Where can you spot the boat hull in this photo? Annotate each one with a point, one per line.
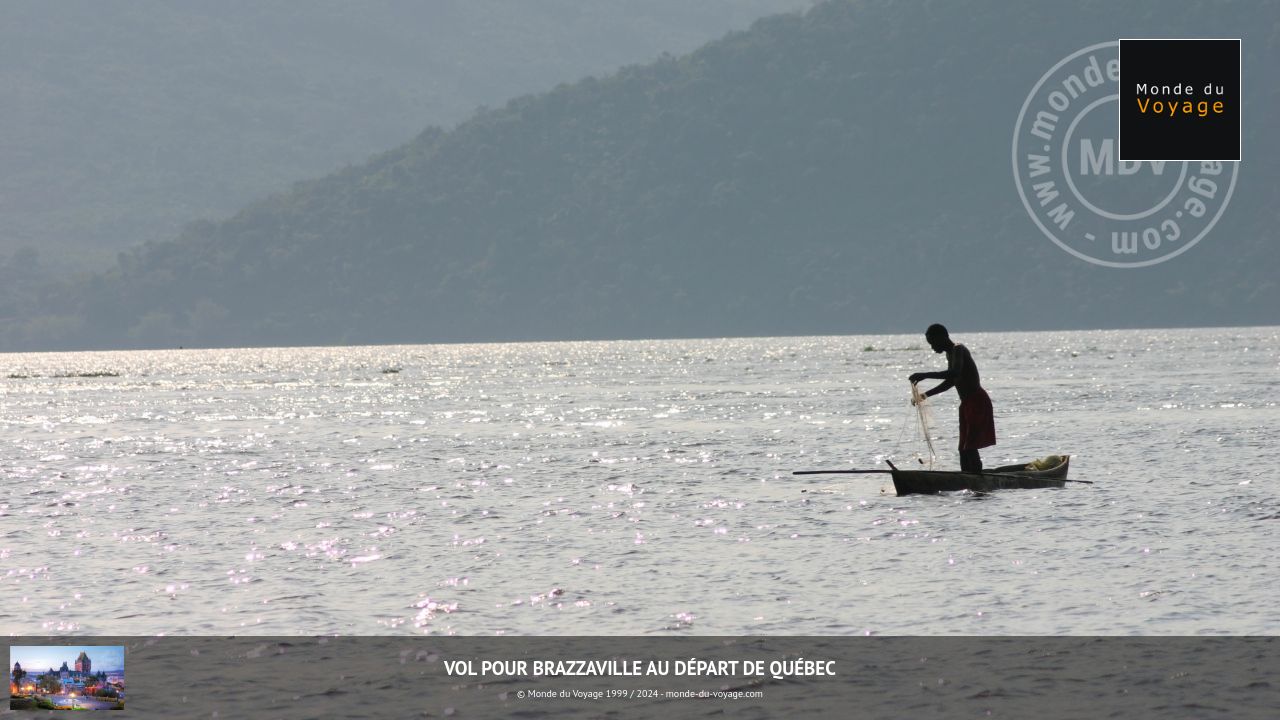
(1009, 477)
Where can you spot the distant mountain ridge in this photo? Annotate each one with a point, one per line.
(125, 121)
(841, 171)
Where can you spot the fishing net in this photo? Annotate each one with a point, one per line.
(924, 420)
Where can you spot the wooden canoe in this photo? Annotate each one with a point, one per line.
(1008, 477)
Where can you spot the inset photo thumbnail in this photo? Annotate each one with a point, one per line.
(66, 677)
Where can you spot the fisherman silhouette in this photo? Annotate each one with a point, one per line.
(977, 421)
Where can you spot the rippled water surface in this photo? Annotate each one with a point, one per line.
(637, 487)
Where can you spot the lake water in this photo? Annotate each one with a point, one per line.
(637, 488)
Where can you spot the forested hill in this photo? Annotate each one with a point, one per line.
(124, 121)
(846, 170)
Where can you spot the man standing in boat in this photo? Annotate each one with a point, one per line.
(977, 421)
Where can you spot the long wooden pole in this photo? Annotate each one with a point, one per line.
(840, 472)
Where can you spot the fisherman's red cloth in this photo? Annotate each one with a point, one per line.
(977, 421)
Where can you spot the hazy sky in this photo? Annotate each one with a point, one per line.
(42, 657)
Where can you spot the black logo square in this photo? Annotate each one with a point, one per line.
(1179, 100)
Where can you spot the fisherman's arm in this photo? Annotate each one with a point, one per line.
(944, 386)
(940, 375)
(955, 362)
